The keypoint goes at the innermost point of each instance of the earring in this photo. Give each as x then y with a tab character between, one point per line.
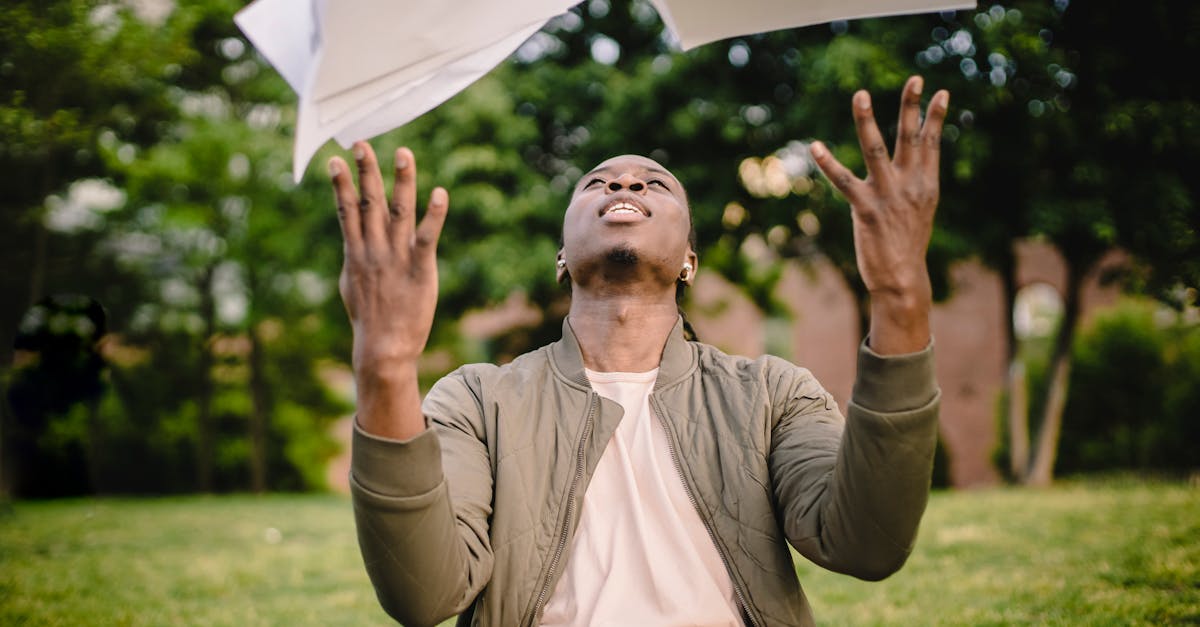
687	272
562	263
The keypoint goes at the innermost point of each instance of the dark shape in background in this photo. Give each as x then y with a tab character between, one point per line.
59	370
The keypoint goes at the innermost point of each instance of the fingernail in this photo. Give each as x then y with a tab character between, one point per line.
864	100
333	168
359	153
918	85
401	162
944	99
817	150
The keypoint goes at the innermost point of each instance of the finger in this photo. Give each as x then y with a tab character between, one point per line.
875	151
931	132
841	177
346	198
430	229
404	198
371	203
908	140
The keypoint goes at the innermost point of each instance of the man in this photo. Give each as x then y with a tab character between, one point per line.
624	475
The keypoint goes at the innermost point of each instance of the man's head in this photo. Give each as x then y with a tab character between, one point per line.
628	220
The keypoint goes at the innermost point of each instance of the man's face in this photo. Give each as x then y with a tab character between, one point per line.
628	208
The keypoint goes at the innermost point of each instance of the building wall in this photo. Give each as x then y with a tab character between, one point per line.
968	328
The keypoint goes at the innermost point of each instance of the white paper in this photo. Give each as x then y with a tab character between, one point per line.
285	32
392	60
698	22
455	78
378	37
364	67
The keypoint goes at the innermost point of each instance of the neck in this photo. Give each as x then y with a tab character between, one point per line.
622	330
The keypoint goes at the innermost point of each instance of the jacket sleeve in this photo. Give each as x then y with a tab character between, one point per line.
421	507
850	493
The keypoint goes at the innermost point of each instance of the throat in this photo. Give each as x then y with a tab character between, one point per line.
620	335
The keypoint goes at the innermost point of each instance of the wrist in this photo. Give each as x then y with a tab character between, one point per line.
377	371
899	322
902	307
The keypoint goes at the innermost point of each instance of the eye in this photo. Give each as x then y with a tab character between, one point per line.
657	182
593	182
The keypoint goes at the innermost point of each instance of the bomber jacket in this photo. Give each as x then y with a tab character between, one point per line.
475	515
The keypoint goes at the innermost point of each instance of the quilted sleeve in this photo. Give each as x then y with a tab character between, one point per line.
850	493
421	508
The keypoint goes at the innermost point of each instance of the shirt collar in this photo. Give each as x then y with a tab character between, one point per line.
679	357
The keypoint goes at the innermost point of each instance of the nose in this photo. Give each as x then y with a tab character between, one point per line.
627	181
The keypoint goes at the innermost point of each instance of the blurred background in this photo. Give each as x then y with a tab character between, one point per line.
169	316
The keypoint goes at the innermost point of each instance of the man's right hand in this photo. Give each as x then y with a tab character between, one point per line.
389	285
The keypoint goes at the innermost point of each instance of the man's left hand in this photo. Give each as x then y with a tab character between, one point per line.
893	213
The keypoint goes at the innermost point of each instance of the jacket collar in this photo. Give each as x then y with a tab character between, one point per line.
679	357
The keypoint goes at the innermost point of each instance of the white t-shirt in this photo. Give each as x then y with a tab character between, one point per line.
641	555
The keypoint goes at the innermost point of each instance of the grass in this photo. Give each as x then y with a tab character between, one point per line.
1116	552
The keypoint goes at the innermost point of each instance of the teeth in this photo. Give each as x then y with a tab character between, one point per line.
623	207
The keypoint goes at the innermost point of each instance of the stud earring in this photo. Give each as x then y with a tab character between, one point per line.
562	263
687	272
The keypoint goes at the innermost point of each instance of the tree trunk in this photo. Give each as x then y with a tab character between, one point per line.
1015	382
1018	420
204	427
96	447
5	473
259	415
1041	471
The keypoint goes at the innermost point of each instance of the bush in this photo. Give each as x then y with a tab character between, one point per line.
1135	394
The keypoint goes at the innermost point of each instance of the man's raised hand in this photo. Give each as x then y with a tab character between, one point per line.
389	285
893	211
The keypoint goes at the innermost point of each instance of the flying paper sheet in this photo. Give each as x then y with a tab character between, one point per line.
696	23
365	67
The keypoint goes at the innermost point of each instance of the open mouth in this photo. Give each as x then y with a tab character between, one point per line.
624	207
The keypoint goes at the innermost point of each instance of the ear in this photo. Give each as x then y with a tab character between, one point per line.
694	261
560	268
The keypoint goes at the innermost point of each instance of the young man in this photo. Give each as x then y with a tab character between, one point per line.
624	475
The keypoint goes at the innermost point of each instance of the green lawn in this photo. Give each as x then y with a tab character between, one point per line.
1118	552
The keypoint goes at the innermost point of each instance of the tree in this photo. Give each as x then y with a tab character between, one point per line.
59	60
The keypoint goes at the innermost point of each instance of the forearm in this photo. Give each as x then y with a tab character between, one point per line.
852	499
415	549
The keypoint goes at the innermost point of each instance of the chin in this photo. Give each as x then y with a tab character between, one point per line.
622	254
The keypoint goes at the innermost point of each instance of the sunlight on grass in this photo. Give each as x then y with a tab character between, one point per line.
1096	553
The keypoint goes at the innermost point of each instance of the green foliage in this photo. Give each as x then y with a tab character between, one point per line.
1066	121
1136	392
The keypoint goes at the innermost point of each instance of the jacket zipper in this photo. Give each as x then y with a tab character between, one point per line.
580	462
737	588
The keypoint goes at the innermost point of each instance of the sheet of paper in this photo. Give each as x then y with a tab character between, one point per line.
378	37
380	114
364	67
391	90
697	22
424	97
285	32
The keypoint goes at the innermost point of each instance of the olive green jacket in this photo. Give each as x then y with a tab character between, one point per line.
476	514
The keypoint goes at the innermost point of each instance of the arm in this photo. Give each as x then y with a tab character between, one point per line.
421	507
851	492
852	501
424	543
